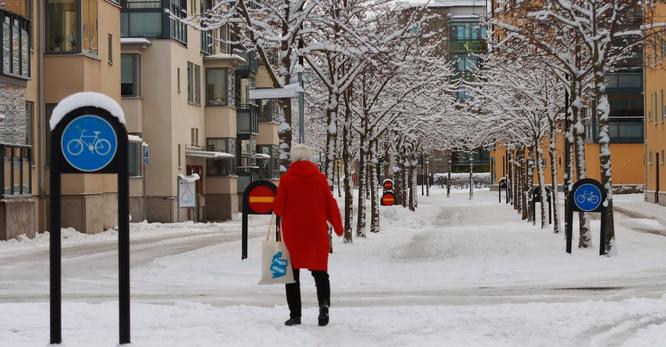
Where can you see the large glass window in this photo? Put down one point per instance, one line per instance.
(221, 167)
(178, 28)
(466, 31)
(71, 26)
(15, 45)
(217, 91)
(129, 83)
(141, 24)
(135, 159)
(62, 26)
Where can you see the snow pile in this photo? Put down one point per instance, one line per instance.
(84, 99)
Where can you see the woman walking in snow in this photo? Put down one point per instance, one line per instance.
(305, 203)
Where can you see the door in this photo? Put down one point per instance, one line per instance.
(656, 191)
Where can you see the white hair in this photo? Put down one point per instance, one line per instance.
(300, 152)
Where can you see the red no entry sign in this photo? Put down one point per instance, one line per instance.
(388, 199)
(260, 199)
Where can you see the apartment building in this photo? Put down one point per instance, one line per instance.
(185, 93)
(655, 111)
(51, 49)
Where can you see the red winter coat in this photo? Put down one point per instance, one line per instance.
(304, 202)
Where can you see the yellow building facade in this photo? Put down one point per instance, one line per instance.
(655, 111)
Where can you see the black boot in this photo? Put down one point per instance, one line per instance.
(323, 315)
(293, 321)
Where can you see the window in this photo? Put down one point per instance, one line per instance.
(15, 50)
(109, 49)
(197, 85)
(217, 92)
(89, 26)
(62, 26)
(662, 105)
(135, 159)
(178, 79)
(129, 80)
(29, 112)
(221, 167)
(141, 24)
(194, 136)
(268, 167)
(190, 90)
(179, 162)
(178, 28)
(269, 110)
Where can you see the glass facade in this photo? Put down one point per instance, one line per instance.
(221, 167)
(148, 18)
(129, 79)
(16, 43)
(71, 26)
(217, 91)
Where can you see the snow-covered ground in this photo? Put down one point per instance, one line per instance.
(458, 272)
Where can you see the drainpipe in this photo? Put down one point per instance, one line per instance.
(42, 105)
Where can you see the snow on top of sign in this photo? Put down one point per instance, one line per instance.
(84, 99)
(192, 178)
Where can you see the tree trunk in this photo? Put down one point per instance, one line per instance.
(374, 199)
(553, 177)
(346, 163)
(412, 185)
(361, 213)
(471, 175)
(331, 134)
(542, 182)
(585, 239)
(284, 134)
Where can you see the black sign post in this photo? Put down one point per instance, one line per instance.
(587, 195)
(258, 199)
(536, 198)
(504, 184)
(89, 140)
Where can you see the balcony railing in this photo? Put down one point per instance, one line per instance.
(141, 3)
(15, 170)
(246, 119)
(250, 64)
(465, 46)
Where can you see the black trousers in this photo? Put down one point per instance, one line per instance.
(294, 292)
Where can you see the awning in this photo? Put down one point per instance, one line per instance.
(208, 154)
(261, 156)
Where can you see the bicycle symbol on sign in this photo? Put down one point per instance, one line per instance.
(93, 143)
(589, 197)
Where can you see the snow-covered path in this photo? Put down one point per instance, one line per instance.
(458, 272)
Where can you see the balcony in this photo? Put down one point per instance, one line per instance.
(15, 171)
(249, 67)
(247, 120)
(207, 42)
(467, 46)
(141, 4)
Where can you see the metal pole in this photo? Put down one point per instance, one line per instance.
(123, 243)
(448, 180)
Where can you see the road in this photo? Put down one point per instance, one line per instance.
(89, 274)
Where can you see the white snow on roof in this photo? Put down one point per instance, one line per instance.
(134, 138)
(134, 41)
(84, 99)
(226, 56)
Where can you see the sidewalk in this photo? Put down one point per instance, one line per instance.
(635, 206)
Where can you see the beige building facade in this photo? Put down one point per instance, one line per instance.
(185, 94)
(52, 49)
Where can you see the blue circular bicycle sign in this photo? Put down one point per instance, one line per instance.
(89, 143)
(587, 197)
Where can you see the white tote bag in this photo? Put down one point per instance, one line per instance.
(275, 261)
